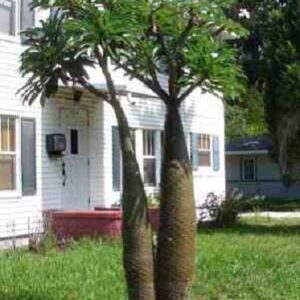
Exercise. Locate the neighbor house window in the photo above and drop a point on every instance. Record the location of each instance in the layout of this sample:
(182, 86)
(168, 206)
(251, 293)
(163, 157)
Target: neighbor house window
(7, 153)
(7, 17)
(248, 169)
(149, 157)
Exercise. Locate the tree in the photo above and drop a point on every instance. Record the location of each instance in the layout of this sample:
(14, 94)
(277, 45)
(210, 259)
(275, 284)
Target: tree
(271, 59)
(246, 117)
(57, 54)
(184, 40)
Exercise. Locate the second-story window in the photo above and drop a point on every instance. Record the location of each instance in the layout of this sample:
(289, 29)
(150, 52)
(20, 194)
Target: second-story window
(7, 17)
(26, 15)
(15, 18)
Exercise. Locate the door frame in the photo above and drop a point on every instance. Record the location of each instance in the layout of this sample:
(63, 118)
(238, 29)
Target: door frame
(86, 128)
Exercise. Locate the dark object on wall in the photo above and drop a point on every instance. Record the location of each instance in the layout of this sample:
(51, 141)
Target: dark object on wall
(55, 144)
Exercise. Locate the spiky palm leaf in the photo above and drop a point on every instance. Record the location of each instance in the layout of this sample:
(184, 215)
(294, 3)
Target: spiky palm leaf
(51, 59)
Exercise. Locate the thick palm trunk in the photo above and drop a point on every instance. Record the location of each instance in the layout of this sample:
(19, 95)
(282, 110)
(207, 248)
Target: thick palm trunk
(137, 232)
(176, 242)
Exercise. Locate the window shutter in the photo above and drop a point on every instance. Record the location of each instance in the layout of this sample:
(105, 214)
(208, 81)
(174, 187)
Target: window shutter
(116, 159)
(27, 16)
(216, 153)
(28, 156)
(194, 151)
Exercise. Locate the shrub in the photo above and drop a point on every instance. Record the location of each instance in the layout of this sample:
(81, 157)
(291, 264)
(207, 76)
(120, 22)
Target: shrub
(219, 211)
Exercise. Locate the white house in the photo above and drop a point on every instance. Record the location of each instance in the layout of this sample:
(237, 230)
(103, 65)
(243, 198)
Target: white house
(89, 173)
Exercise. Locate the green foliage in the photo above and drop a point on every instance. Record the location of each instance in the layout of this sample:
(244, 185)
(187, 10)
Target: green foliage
(271, 56)
(184, 40)
(246, 117)
(220, 212)
(52, 57)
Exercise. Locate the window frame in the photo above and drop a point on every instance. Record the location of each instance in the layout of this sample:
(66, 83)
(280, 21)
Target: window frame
(16, 36)
(243, 177)
(153, 156)
(205, 150)
(194, 138)
(12, 18)
(17, 191)
(32, 192)
(133, 136)
(13, 37)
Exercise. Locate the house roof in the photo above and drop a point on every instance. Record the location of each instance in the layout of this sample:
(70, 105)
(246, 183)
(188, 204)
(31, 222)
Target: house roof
(252, 145)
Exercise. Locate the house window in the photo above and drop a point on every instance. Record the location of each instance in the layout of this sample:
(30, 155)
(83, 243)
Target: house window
(248, 169)
(116, 159)
(74, 142)
(27, 16)
(149, 157)
(204, 150)
(7, 17)
(7, 153)
(200, 150)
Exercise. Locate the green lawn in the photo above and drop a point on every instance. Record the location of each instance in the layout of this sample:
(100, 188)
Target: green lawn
(258, 259)
(270, 204)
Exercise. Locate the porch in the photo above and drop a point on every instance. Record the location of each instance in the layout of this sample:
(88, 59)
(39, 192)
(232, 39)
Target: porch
(100, 222)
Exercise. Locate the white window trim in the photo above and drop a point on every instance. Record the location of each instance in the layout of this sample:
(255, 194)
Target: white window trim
(156, 157)
(202, 170)
(17, 193)
(16, 37)
(210, 150)
(243, 169)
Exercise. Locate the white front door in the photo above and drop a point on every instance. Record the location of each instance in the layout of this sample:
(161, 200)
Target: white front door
(76, 159)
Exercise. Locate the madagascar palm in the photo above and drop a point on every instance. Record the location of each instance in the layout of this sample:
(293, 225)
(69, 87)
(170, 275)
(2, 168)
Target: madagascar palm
(184, 40)
(59, 52)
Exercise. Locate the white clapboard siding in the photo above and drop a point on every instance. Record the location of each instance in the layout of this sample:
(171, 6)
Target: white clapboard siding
(201, 113)
(51, 170)
(18, 214)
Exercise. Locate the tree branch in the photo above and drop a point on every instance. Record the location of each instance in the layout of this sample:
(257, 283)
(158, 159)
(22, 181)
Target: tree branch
(103, 62)
(93, 90)
(175, 66)
(152, 85)
(189, 90)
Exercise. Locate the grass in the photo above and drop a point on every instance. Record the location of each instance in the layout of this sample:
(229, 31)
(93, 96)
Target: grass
(270, 204)
(257, 259)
